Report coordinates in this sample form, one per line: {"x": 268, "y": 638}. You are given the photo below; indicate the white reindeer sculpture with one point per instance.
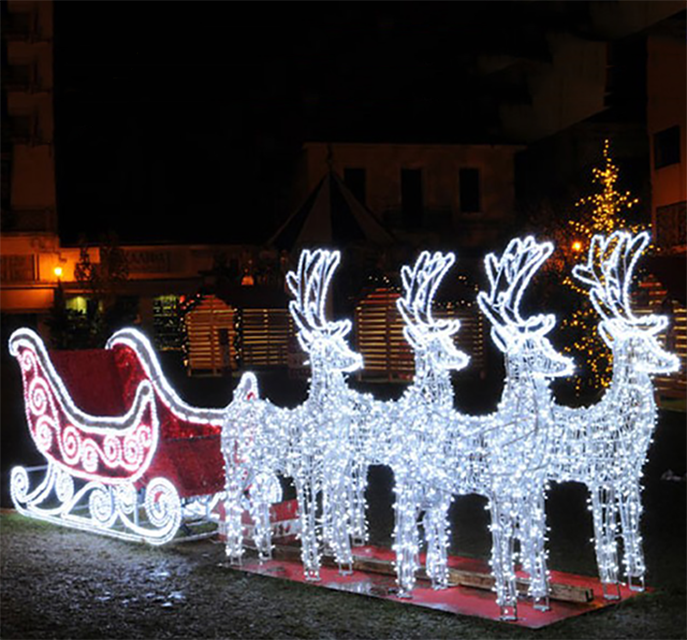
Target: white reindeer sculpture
{"x": 518, "y": 447}
{"x": 414, "y": 437}
{"x": 604, "y": 446}
{"x": 315, "y": 443}
{"x": 440, "y": 452}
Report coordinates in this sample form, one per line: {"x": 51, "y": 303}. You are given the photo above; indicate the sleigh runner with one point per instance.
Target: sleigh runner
{"x": 126, "y": 457}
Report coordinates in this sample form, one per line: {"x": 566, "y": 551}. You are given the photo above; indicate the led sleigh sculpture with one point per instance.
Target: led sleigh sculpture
{"x": 126, "y": 476}
{"x": 501, "y": 456}
{"x": 604, "y": 446}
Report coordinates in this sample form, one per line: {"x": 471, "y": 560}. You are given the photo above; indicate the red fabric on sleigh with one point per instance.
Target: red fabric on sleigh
{"x": 194, "y": 465}
{"x": 103, "y": 382}
{"x": 189, "y": 454}
{"x": 92, "y": 379}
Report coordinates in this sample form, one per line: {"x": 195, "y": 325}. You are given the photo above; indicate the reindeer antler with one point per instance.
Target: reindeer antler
{"x": 309, "y": 286}
{"x": 419, "y": 287}
{"x": 508, "y": 279}
{"x": 609, "y": 271}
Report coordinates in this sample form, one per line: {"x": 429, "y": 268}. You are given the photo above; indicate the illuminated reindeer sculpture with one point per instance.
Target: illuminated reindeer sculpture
{"x": 513, "y": 474}
{"x": 415, "y": 436}
{"x": 322, "y": 457}
{"x": 440, "y": 452}
{"x": 314, "y": 443}
{"x": 604, "y": 446}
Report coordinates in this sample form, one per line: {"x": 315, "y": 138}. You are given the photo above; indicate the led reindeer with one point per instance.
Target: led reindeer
{"x": 513, "y": 472}
{"x": 322, "y": 459}
{"x": 499, "y": 456}
{"x": 414, "y": 434}
{"x": 254, "y": 448}
{"x": 314, "y": 443}
{"x": 604, "y": 446}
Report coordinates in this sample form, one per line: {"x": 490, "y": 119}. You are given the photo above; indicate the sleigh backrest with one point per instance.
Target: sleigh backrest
{"x": 136, "y": 360}
{"x": 93, "y": 380}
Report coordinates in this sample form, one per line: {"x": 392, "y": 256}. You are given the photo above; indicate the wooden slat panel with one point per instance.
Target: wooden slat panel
{"x": 203, "y": 327}
{"x": 383, "y": 346}
{"x": 652, "y": 297}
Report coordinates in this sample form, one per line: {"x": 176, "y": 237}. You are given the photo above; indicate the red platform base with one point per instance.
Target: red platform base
{"x": 458, "y": 599}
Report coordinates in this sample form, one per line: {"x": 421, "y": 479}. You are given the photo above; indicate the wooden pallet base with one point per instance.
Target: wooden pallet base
{"x": 470, "y": 594}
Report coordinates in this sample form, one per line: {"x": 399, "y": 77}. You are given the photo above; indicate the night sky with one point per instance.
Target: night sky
{"x": 183, "y": 121}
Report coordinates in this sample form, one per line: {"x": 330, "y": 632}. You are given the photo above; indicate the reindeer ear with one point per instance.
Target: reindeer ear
{"x": 448, "y": 325}
{"x": 500, "y": 340}
{"x": 247, "y": 388}
{"x": 413, "y": 337}
{"x": 541, "y": 323}
{"x": 341, "y": 328}
{"x": 654, "y": 323}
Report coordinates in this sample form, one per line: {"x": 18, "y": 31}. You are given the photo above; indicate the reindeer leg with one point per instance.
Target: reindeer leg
{"x": 502, "y": 557}
{"x": 406, "y": 544}
{"x": 533, "y": 548}
{"x": 309, "y": 546}
{"x": 233, "y": 509}
{"x": 630, "y": 507}
{"x": 437, "y": 532}
{"x": 341, "y": 540}
{"x": 262, "y": 531}
{"x": 604, "y": 517}
{"x": 327, "y": 518}
{"x": 357, "y": 485}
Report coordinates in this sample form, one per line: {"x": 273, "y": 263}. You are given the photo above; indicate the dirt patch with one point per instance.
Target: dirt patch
{"x": 58, "y": 583}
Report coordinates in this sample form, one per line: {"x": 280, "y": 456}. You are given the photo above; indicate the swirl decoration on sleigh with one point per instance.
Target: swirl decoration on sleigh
{"x": 138, "y": 474}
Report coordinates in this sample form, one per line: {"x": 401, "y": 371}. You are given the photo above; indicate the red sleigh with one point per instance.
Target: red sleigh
{"x": 126, "y": 456}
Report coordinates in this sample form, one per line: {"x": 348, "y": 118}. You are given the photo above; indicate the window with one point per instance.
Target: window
{"x": 20, "y": 268}
{"x": 412, "y": 200}
{"x": 355, "y": 180}
{"x": 77, "y": 303}
{"x": 667, "y": 147}
{"x": 470, "y": 201}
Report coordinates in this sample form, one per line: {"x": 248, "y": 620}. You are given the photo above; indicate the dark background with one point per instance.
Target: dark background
{"x": 179, "y": 120}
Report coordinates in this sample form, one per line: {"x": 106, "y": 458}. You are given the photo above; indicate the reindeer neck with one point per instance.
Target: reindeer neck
{"x": 326, "y": 383}
{"x": 521, "y": 383}
{"x": 430, "y": 384}
{"x": 629, "y": 387}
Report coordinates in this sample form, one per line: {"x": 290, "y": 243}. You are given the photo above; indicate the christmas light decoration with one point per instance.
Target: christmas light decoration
{"x": 518, "y": 443}
{"x": 434, "y": 451}
{"x": 145, "y": 354}
{"x": 413, "y": 435}
{"x": 102, "y": 473}
{"x": 314, "y": 443}
{"x": 605, "y": 445}
{"x": 438, "y": 452}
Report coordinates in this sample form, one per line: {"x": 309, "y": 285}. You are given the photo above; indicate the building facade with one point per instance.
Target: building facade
{"x": 463, "y": 194}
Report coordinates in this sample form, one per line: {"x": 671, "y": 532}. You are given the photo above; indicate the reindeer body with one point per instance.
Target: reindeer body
{"x": 604, "y": 446}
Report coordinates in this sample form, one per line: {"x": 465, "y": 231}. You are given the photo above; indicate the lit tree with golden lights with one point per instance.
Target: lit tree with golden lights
{"x": 601, "y": 212}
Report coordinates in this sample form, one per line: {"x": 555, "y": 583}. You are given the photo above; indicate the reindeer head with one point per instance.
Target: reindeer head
{"x": 322, "y": 340}
{"x": 430, "y": 338}
{"x": 513, "y": 334}
{"x": 608, "y": 274}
